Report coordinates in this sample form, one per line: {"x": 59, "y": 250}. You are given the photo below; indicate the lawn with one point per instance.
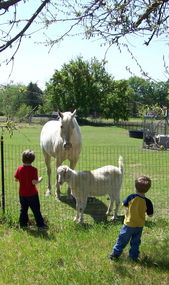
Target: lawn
{"x": 77, "y": 254}
{"x": 74, "y": 254}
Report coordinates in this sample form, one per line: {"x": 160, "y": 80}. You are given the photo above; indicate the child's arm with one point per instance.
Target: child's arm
{"x": 37, "y": 181}
{"x": 16, "y": 176}
{"x": 150, "y": 210}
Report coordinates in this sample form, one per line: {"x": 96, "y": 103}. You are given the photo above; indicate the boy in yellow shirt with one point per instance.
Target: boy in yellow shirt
{"x": 137, "y": 206}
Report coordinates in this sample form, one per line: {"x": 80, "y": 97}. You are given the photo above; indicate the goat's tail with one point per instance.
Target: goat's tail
{"x": 121, "y": 164}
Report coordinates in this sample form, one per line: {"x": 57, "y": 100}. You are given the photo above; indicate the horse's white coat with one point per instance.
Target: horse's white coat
{"x": 61, "y": 139}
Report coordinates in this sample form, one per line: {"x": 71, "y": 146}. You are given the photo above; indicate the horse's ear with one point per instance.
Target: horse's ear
{"x": 74, "y": 113}
{"x": 60, "y": 114}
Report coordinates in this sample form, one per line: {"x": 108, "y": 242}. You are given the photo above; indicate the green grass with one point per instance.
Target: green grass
{"x": 77, "y": 254}
{"x": 101, "y": 146}
{"x": 74, "y": 254}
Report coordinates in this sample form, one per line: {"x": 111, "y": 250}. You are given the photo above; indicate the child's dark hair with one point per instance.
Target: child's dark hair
{"x": 28, "y": 156}
{"x": 143, "y": 184}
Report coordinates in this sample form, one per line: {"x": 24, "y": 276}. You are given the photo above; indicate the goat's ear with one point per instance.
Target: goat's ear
{"x": 60, "y": 114}
{"x": 65, "y": 169}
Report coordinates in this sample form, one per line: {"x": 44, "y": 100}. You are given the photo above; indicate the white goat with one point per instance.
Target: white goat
{"x": 98, "y": 182}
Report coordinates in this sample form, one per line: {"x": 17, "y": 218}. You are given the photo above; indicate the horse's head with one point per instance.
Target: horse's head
{"x": 66, "y": 128}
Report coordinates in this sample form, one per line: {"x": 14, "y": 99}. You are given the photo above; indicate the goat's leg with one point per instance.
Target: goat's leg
{"x": 69, "y": 195}
{"x": 80, "y": 206}
{"x": 76, "y": 218}
{"x": 116, "y": 208}
{"x": 69, "y": 191}
{"x": 110, "y": 206}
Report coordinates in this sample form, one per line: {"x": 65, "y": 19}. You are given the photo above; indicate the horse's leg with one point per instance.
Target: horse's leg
{"x": 57, "y": 193}
{"x": 48, "y": 167}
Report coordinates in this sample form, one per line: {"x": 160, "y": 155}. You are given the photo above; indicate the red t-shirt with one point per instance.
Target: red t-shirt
{"x": 25, "y": 174}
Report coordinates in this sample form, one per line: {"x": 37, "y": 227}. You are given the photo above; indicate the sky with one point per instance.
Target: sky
{"x": 34, "y": 63}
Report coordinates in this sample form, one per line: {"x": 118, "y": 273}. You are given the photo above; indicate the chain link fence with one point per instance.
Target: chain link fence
{"x": 137, "y": 161}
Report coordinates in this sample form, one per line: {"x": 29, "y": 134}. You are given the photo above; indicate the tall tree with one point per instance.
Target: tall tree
{"x": 146, "y": 92}
{"x": 117, "y": 102}
{"x": 79, "y": 84}
{"x": 33, "y": 96}
{"x": 87, "y": 87}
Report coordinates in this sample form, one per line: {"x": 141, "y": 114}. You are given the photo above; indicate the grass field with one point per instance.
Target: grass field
{"x": 101, "y": 146}
{"x": 77, "y": 254}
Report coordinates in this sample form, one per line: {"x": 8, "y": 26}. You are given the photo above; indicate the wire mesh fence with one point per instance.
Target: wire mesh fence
{"x": 137, "y": 162}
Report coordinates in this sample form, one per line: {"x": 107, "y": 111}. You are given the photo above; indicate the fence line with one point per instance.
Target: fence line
{"x": 2, "y": 174}
{"x": 137, "y": 161}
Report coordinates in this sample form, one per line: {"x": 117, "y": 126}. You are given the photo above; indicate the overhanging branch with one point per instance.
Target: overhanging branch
{"x": 149, "y": 10}
{"x": 20, "y": 35}
{"x": 6, "y": 4}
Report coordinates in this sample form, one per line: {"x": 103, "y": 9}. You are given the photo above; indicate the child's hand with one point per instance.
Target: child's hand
{"x": 40, "y": 179}
{"x": 34, "y": 182}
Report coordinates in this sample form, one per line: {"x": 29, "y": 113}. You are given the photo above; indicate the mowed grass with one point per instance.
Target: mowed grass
{"x": 77, "y": 254}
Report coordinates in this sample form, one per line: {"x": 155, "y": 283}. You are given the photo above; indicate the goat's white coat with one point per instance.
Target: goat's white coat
{"x": 60, "y": 139}
{"x": 98, "y": 182}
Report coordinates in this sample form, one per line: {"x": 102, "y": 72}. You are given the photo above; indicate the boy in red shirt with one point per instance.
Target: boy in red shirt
{"x": 27, "y": 175}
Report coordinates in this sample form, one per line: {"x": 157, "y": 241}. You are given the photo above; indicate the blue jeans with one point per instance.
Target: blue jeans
{"x": 132, "y": 234}
{"x": 34, "y": 204}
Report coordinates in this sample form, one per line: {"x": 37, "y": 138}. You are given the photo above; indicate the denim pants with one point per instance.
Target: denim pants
{"x": 132, "y": 234}
{"x": 34, "y": 204}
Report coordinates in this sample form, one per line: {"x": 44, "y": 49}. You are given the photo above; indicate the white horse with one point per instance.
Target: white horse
{"x": 61, "y": 139}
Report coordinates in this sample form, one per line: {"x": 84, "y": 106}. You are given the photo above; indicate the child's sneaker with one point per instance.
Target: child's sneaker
{"x": 43, "y": 228}
{"x": 113, "y": 256}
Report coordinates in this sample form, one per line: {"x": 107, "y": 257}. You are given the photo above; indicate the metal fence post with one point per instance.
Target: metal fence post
{"x": 2, "y": 174}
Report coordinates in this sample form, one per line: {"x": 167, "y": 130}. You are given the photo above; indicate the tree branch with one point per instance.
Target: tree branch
{"x": 149, "y": 10}
{"x": 6, "y": 4}
{"x": 20, "y": 35}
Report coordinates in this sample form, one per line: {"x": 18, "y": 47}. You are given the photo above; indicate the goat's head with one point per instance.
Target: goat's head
{"x": 61, "y": 173}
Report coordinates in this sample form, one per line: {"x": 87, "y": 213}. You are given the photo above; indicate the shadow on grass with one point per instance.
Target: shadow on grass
{"x": 48, "y": 234}
{"x": 95, "y": 208}
{"x": 162, "y": 264}
{"x": 34, "y": 232}
{"x": 150, "y": 224}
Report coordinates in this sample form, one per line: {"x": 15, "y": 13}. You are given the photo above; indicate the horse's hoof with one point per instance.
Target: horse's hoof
{"x": 48, "y": 193}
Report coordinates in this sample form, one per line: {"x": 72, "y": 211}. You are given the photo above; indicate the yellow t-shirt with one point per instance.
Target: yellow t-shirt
{"x": 137, "y": 207}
